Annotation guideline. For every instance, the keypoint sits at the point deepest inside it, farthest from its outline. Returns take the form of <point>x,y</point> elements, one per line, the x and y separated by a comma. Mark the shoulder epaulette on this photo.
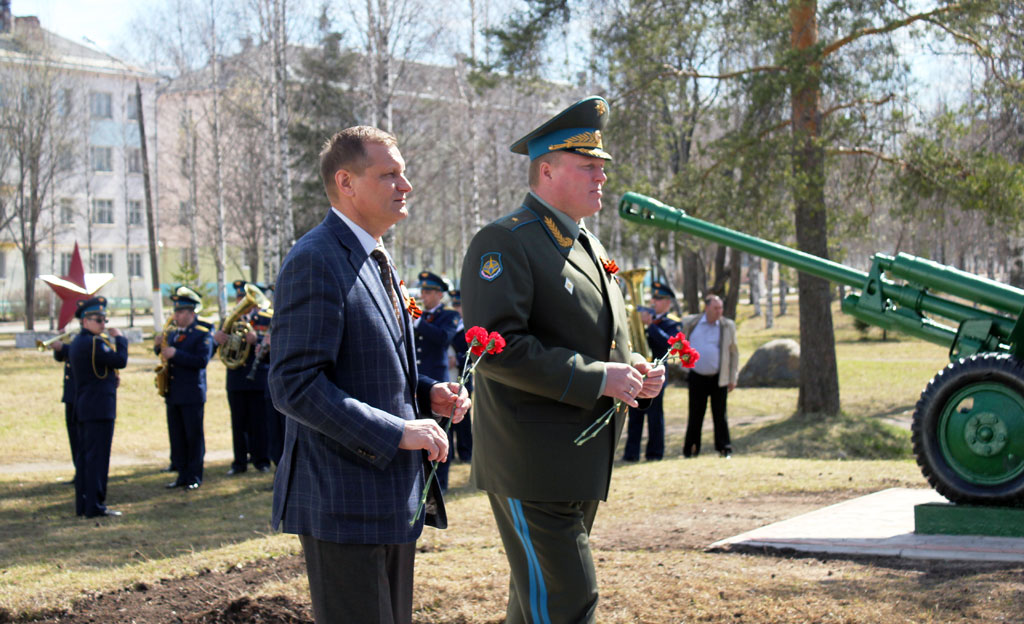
<point>516,219</point>
<point>672,317</point>
<point>203,326</point>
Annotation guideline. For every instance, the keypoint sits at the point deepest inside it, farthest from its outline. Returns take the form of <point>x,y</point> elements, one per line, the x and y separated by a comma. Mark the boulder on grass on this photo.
<point>775,364</point>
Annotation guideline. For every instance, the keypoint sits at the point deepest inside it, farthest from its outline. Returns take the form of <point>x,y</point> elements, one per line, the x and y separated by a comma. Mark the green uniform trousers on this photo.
<point>552,578</point>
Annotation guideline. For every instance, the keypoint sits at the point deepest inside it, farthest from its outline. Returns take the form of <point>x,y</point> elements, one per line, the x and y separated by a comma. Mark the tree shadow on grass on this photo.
<point>157,523</point>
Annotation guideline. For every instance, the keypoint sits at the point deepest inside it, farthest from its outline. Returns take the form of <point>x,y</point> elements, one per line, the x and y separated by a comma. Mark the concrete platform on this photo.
<point>879,524</point>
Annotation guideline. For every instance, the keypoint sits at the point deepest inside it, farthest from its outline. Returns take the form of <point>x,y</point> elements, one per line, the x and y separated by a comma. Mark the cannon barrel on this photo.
<point>882,302</point>
<point>642,209</point>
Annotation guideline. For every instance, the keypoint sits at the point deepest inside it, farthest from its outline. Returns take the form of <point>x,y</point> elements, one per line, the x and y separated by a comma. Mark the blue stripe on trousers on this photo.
<point>538,591</point>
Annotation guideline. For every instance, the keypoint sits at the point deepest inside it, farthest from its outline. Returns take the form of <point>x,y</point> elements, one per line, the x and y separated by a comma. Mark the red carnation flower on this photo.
<point>495,343</point>
<point>678,344</point>
<point>476,338</point>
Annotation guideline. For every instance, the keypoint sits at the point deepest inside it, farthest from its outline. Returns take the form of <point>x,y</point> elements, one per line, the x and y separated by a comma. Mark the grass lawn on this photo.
<point>649,538</point>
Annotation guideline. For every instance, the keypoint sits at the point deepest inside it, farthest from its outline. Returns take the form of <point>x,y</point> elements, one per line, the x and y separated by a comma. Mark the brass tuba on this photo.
<point>235,351</point>
<point>163,370</point>
<point>634,279</point>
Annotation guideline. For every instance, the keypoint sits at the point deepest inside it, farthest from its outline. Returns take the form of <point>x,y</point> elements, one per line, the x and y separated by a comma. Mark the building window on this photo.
<point>67,211</point>
<point>134,264</point>
<point>65,159</point>
<point>65,263</point>
<point>64,102</point>
<point>131,107</point>
<point>134,160</point>
<point>183,213</point>
<point>134,212</point>
<point>104,262</point>
<point>103,211</point>
<point>100,105</point>
<point>102,158</point>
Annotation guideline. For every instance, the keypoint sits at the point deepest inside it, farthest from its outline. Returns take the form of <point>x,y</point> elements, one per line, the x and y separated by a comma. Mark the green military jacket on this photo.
<point>563,316</point>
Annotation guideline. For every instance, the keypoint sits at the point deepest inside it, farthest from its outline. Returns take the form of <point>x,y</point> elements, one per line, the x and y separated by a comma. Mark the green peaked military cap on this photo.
<point>575,129</point>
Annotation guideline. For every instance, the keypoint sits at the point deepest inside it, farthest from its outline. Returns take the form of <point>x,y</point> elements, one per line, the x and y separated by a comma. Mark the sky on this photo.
<point>102,21</point>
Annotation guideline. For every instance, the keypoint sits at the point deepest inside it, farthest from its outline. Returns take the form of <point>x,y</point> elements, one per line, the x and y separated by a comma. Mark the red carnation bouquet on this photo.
<point>678,347</point>
<point>480,343</point>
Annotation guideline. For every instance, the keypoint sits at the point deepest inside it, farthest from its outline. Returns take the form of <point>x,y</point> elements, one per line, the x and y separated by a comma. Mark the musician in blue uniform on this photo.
<point>60,353</point>
<point>462,431</point>
<point>188,349</point>
<point>660,326</point>
<point>245,388</point>
<point>95,357</point>
<point>434,332</point>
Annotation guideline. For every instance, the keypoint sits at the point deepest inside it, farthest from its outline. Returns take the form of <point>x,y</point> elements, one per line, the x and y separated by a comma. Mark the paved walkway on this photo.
<point>879,524</point>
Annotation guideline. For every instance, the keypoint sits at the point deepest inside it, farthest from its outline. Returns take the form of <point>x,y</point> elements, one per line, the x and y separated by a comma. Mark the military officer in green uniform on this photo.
<point>545,283</point>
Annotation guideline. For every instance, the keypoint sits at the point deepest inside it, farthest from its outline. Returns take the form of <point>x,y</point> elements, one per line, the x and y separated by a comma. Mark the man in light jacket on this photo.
<point>714,376</point>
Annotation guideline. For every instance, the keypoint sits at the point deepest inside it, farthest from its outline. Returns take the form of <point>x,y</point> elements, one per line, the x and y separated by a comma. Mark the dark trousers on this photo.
<point>552,577</point>
<point>460,444</point>
<point>275,429</point>
<point>703,387</point>
<point>655,431</point>
<point>94,439</point>
<point>248,429</point>
<point>364,583</point>
<point>72,424</point>
<point>188,444</point>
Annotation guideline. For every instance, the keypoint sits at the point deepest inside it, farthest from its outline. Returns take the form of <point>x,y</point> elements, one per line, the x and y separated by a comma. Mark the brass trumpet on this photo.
<point>43,345</point>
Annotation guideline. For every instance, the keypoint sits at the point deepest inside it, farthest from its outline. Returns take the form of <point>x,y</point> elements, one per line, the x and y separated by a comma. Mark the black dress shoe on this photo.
<point>192,486</point>
<point>235,471</point>
<point>174,484</point>
<point>263,469</point>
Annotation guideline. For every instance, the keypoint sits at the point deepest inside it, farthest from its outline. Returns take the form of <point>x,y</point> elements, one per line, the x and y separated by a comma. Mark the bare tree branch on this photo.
<point>890,27</point>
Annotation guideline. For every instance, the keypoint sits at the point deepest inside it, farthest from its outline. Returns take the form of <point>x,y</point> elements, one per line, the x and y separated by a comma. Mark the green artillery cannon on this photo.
<point>968,427</point>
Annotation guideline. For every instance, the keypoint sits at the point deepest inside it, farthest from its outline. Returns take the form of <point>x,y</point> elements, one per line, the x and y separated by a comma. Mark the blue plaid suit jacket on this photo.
<point>342,372</point>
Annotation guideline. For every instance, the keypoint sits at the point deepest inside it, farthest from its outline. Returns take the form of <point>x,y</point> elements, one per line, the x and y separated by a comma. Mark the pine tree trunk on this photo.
<point>819,380</point>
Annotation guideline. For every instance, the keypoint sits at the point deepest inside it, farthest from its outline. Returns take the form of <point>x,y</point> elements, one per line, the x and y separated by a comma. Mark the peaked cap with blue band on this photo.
<point>239,286</point>
<point>662,290</point>
<point>430,280</point>
<point>576,129</point>
<point>95,305</point>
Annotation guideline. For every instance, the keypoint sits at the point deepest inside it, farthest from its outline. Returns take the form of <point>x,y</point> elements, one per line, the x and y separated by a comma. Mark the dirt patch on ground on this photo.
<point>698,525</point>
<point>207,598</point>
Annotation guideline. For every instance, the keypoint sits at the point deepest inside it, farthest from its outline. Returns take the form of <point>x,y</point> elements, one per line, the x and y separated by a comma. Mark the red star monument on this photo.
<point>76,286</point>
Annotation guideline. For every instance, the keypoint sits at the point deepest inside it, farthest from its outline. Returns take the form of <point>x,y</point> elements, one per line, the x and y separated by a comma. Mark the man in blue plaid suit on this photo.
<point>343,370</point>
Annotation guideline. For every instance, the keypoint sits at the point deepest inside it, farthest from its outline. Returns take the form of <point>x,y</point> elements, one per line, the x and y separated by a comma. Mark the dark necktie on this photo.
<point>389,284</point>
<point>584,239</point>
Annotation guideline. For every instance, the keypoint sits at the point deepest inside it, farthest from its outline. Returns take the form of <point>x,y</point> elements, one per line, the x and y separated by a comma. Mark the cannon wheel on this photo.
<point>968,430</point>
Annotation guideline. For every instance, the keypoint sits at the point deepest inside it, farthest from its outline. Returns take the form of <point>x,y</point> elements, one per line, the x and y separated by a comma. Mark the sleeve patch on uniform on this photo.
<point>490,266</point>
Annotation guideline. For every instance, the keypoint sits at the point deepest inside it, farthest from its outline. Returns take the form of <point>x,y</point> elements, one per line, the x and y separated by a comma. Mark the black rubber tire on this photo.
<point>988,367</point>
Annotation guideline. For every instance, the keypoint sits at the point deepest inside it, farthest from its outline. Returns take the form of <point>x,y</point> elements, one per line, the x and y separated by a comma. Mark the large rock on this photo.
<point>775,364</point>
